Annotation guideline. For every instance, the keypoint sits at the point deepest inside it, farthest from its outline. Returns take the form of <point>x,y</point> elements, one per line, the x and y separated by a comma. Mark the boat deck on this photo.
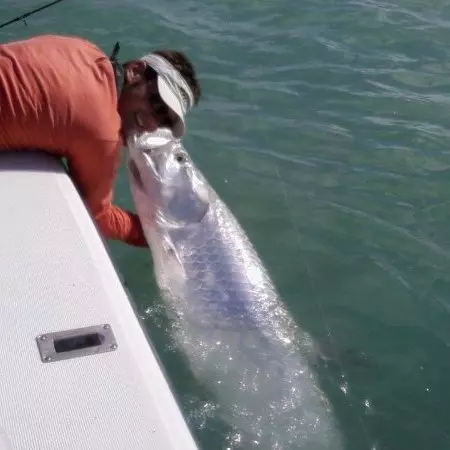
<point>96,383</point>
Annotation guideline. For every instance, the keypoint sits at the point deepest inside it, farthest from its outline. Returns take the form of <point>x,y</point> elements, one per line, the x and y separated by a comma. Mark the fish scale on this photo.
<point>217,267</point>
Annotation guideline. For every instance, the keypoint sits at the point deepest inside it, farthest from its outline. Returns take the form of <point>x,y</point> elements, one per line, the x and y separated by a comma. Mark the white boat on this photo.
<point>78,372</point>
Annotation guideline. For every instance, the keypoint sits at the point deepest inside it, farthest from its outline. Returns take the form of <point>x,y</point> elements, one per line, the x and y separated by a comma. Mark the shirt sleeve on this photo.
<point>93,168</point>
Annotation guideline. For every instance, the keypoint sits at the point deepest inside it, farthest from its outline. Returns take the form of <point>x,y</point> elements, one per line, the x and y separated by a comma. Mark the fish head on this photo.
<point>166,185</point>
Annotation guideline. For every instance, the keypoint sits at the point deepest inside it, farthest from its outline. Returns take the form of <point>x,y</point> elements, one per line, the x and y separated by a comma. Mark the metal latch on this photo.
<point>76,342</point>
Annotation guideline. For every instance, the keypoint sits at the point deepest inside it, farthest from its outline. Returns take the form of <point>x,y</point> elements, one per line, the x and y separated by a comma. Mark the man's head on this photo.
<point>159,89</point>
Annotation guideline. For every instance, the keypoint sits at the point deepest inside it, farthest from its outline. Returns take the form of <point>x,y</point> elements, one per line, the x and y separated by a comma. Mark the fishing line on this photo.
<point>22,17</point>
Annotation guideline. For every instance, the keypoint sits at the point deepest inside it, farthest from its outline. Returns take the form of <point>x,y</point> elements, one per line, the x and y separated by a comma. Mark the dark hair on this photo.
<point>182,63</point>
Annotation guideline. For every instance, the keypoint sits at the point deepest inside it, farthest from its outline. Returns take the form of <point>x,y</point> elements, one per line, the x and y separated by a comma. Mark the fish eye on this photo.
<point>180,157</point>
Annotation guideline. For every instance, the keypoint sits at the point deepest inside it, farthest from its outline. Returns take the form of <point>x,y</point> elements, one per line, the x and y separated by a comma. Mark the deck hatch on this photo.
<point>75,343</point>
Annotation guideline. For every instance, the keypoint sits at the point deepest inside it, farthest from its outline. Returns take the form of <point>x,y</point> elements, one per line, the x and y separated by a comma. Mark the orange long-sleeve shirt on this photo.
<point>59,94</point>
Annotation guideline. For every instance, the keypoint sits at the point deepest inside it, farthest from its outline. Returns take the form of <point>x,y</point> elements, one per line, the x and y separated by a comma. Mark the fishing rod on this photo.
<point>24,16</point>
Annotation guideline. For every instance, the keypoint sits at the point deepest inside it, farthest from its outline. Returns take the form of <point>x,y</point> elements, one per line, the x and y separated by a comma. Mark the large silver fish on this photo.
<point>228,319</point>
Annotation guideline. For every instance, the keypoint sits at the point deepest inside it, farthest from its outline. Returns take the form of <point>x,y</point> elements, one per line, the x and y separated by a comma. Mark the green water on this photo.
<point>324,126</point>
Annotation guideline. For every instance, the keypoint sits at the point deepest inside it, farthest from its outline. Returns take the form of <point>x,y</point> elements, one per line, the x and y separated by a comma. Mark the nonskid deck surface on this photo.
<point>96,383</point>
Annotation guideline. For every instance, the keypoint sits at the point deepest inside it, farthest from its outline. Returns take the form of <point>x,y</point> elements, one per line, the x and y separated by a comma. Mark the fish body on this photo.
<point>228,318</point>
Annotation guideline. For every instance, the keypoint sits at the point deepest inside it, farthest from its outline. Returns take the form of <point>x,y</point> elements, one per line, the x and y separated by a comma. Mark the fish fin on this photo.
<point>173,264</point>
<point>330,355</point>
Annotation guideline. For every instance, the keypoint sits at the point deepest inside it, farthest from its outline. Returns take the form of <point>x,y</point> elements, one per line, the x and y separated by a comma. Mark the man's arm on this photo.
<point>93,169</point>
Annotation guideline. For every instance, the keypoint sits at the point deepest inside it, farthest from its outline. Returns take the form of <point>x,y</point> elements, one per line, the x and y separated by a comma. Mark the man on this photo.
<point>63,95</point>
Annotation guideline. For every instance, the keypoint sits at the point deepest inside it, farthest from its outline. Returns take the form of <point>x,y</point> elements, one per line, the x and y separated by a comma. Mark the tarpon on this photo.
<point>228,318</point>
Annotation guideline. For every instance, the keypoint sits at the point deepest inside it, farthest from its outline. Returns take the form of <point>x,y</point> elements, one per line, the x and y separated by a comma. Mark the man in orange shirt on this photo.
<point>64,96</point>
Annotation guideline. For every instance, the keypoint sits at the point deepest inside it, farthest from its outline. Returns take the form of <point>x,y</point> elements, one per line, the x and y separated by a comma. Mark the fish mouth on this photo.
<point>151,165</point>
<point>146,163</point>
<point>136,175</point>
